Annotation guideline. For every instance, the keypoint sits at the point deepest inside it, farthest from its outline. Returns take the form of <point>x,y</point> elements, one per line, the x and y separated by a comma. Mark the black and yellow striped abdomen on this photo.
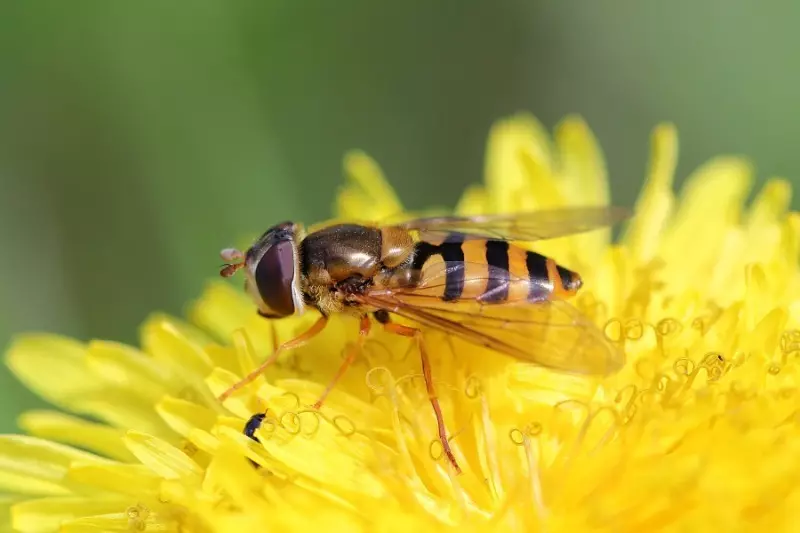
<point>491,271</point>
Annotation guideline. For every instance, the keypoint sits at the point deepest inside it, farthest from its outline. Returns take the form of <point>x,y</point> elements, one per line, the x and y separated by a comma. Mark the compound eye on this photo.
<point>274,278</point>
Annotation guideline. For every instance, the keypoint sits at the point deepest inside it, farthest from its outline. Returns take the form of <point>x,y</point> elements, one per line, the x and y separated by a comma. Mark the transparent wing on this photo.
<point>552,334</point>
<point>530,226</point>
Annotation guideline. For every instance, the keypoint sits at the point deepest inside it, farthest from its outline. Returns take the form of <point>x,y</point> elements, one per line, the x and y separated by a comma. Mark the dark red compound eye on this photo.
<point>274,276</point>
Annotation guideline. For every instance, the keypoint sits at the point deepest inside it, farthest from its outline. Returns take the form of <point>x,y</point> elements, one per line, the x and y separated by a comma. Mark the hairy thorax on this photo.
<point>342,261</point>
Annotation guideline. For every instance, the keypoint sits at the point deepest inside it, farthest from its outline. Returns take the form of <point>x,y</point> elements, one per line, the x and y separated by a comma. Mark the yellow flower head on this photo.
<point>698,430</point>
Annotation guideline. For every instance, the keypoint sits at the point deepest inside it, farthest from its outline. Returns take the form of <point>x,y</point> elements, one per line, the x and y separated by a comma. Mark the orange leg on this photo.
<point>300,340</point>
<point>352,353</point>
<point>406,331</point>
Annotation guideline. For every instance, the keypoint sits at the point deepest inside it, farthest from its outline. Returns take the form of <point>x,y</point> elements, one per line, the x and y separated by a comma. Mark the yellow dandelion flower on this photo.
<point>698,430</point>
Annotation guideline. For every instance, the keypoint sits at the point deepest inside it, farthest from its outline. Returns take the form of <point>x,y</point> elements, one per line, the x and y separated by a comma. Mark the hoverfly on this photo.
<point>459,275</point>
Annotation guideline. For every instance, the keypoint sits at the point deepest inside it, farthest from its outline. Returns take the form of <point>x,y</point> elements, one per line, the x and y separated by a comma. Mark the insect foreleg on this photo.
<point>300,340</point>
<point>405,331</point>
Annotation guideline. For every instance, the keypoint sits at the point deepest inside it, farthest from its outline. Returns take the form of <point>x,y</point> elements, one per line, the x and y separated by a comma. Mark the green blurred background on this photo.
<point>138,138</point>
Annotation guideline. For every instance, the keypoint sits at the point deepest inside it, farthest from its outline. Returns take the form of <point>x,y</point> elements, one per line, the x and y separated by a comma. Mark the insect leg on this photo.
<point>405,331</point>
<point>352,353</point>
<point>301,339</point>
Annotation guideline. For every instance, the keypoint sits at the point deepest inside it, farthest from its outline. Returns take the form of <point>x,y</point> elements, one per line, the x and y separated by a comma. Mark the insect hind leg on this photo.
<point>416,334</point>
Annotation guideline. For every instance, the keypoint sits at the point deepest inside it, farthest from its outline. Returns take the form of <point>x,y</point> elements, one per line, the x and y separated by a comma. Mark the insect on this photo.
<point>251,426</point>
<point>462,276</point>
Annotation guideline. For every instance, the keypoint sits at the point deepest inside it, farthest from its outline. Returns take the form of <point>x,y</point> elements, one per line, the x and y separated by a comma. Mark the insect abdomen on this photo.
<point>492,271</point>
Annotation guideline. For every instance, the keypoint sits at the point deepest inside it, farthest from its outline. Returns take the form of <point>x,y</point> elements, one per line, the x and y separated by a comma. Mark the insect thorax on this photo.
<point>346,259</point>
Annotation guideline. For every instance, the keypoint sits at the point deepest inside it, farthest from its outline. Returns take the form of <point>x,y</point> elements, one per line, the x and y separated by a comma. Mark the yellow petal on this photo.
<point>6,502</point>
<point>712,200</point>
<point>180,328</point>
<point>122,522</point>
<point>765,230</point>
<point>367,195</point>
<point>180,353</point>
<point>581,162</point>
<point>757,286</point>
<point>123,409</point>
<point>132,479</point>
<point>165,340</point>
<point>231,472</point>
<point>308,457</point>
<point>68,382</point>
<point>223,309</point>
<point>203,441</point>
<point>505,174</point>
<point>47,514</point>
<point>655,203</point>
<point>583,181</point>
<point>771,203</point>
<point>726,283</point>
<point>76,431</point>
<point>29,465</point>
<point>221,380</point>
<point>98,524</point>
<point>124,367</point>
<point>544,188</point>
<point>474,201</point>
<point>183,416</point>
<point>163,458</point>
<point>766,334</point>
<point>52,367</point>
